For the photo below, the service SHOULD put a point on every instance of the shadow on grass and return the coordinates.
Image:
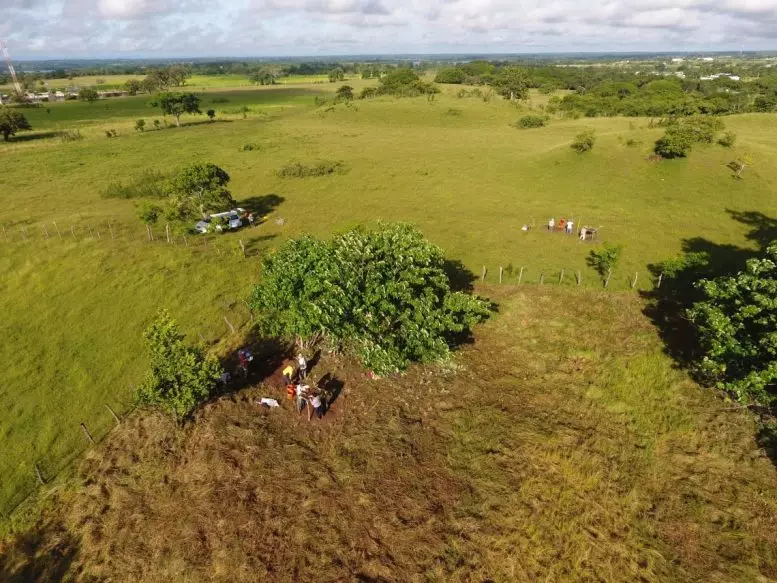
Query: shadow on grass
(36, 555)
(31, 137)
(262, 205)
(461, 278)
(269, 355)
(255, 245)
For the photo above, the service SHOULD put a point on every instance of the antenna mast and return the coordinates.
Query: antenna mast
(8, 61)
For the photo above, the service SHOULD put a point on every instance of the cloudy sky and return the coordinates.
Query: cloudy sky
(199, 28)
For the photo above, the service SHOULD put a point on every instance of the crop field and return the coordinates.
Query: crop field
(455, 167)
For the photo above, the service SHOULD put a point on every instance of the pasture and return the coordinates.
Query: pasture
(456, 167)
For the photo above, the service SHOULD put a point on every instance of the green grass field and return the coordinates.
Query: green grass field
(74, 310)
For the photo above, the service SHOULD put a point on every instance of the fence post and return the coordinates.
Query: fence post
(185, 241)
(5, 232)
(24, 233)
(73, 231)
(45, 230)
(520, 275)
(113, 413)
(243, 247)
(501, 271)
(57, 228)
(634, 283)
(87, 434)
(561, 277)
(167, 231)
(660, 278)
(110, 228)
(483, 275)
(609, 274)
(579, 277)
(542, 278)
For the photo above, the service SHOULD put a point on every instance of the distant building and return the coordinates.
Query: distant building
(708, 59)
(678, 60)
(719, 75)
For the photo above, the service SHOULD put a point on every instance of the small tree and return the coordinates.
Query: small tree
(140, 125)
(584, 141)
(511, 83)
(88, 94)
(181, 376)
(728, 139)
(345, 93)
(176, 104)
(149, 213)
(738, 166)
(531, 121)
(157, 124)
(211, 113)
(336, 75)
(675, 143)
(12, 121)
(133, 86)
(737, 327)
(197, 190)
(604, 260)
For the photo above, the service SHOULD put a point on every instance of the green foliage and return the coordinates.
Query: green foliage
(452, 75)
(584, 141)
(111, 134)
(180, 376)
(133, 86)
(211, 113)
(404, 82)
(300, 170)
(336, 75)
(531, 121)
(728, 140)
(150, 213)
(70, 136)
(146, 184)
(605, 260)
(511, 83)
(737, 326)
(682, 134)
(12, 121)
(249, 147)
(675, 143)
(88, 94)
(368, 93)
(176, 104)
(382, 293)
(140, 125)
(345, 93)
(197, 190)
(263, 76)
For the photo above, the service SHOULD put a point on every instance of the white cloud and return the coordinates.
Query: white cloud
(81, 28)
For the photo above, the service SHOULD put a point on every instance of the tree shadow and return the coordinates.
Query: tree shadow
(37, 555)
(269, 354)
(332, 387)
(262, 205)
(701, 258)
(32, 137)
(254, 245)
(461, 278)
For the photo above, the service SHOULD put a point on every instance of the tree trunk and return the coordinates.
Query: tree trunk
(177, 121)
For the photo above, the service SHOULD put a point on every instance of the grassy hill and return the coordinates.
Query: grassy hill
(74, 307)
(562, 445)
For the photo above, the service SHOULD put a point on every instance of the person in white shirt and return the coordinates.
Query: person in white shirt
(570, 227)
(551, 224)
(315, 406)
(303, 366)
(302, 396)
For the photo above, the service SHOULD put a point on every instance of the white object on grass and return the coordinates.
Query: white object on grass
(269, 402)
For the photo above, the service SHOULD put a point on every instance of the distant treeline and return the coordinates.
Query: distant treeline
(611, 90)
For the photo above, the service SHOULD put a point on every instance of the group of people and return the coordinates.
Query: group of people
(564, 225)
(306, 397)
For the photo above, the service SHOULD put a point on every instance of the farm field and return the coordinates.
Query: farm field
(454, 167)
(540, 454)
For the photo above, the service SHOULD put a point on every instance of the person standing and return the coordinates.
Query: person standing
(570, 227)
(551, 224)
(288, 373)
(303, 366)
(315, 406)
(302, 398)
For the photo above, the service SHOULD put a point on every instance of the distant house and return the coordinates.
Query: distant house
(678, 60)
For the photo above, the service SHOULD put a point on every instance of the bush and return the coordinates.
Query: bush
(675, 143)
(299, 170)
(140, 125)
(111, 134)
(604, 260)
(147, 184)
(382, 294)
(70, 136)
(728, 140)
(737, 326)
(180, 376)
(250, 147)
(531, 121)
(368, 93)
(219, 100)
(584, 141)
(451, 75)
(631, 142)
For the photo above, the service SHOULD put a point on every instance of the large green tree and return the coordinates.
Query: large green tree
(176, 104)
(180, 375)
(737, 326)
(12, 121)
(88, 94)
(382, 293)
(197, 190)
(511, 83)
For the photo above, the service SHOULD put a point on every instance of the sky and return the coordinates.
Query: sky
(211, 28)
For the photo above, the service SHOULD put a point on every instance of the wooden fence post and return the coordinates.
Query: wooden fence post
(520, 275)
(87, 434)
(39, 474)
(579, 277)
(110, 228)
(73, 231)
(57, 228)
(185, 241)
(24, 233)
(483, 275)
(660, 278)
(542, 278)
(501, 271)
(5, 232)
(45, 230)
(112, 412)
(561, 277)
(609, 274)
(231, 327)
(634, 283)
(167, 231)
(243, 247)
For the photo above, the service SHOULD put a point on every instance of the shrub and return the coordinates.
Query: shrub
(211, 113)
(368, 93)
(70, 136)
(157, 124)
(382, 294)
(675, 143)
(728, 140)
(250, 147)
(737, 325)
(181, 376)
(531, 121)
(631, 142)
(140, 125)
(299, 170)
(219, 100)
(584, 141)
(149, 213)
(454, 112)
(147, 184)
(111, 134)
(604, 260)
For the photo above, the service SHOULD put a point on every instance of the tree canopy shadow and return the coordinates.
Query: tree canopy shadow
(38, 555)
(461, 278)
(254, 245)
(262, 204)
(269, 354)
(29, 137)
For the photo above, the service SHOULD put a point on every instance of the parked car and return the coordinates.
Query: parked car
(226, 220)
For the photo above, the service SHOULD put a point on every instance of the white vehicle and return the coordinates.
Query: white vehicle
(226, 220)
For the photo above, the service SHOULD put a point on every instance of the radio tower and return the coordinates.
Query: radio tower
(7, 56)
